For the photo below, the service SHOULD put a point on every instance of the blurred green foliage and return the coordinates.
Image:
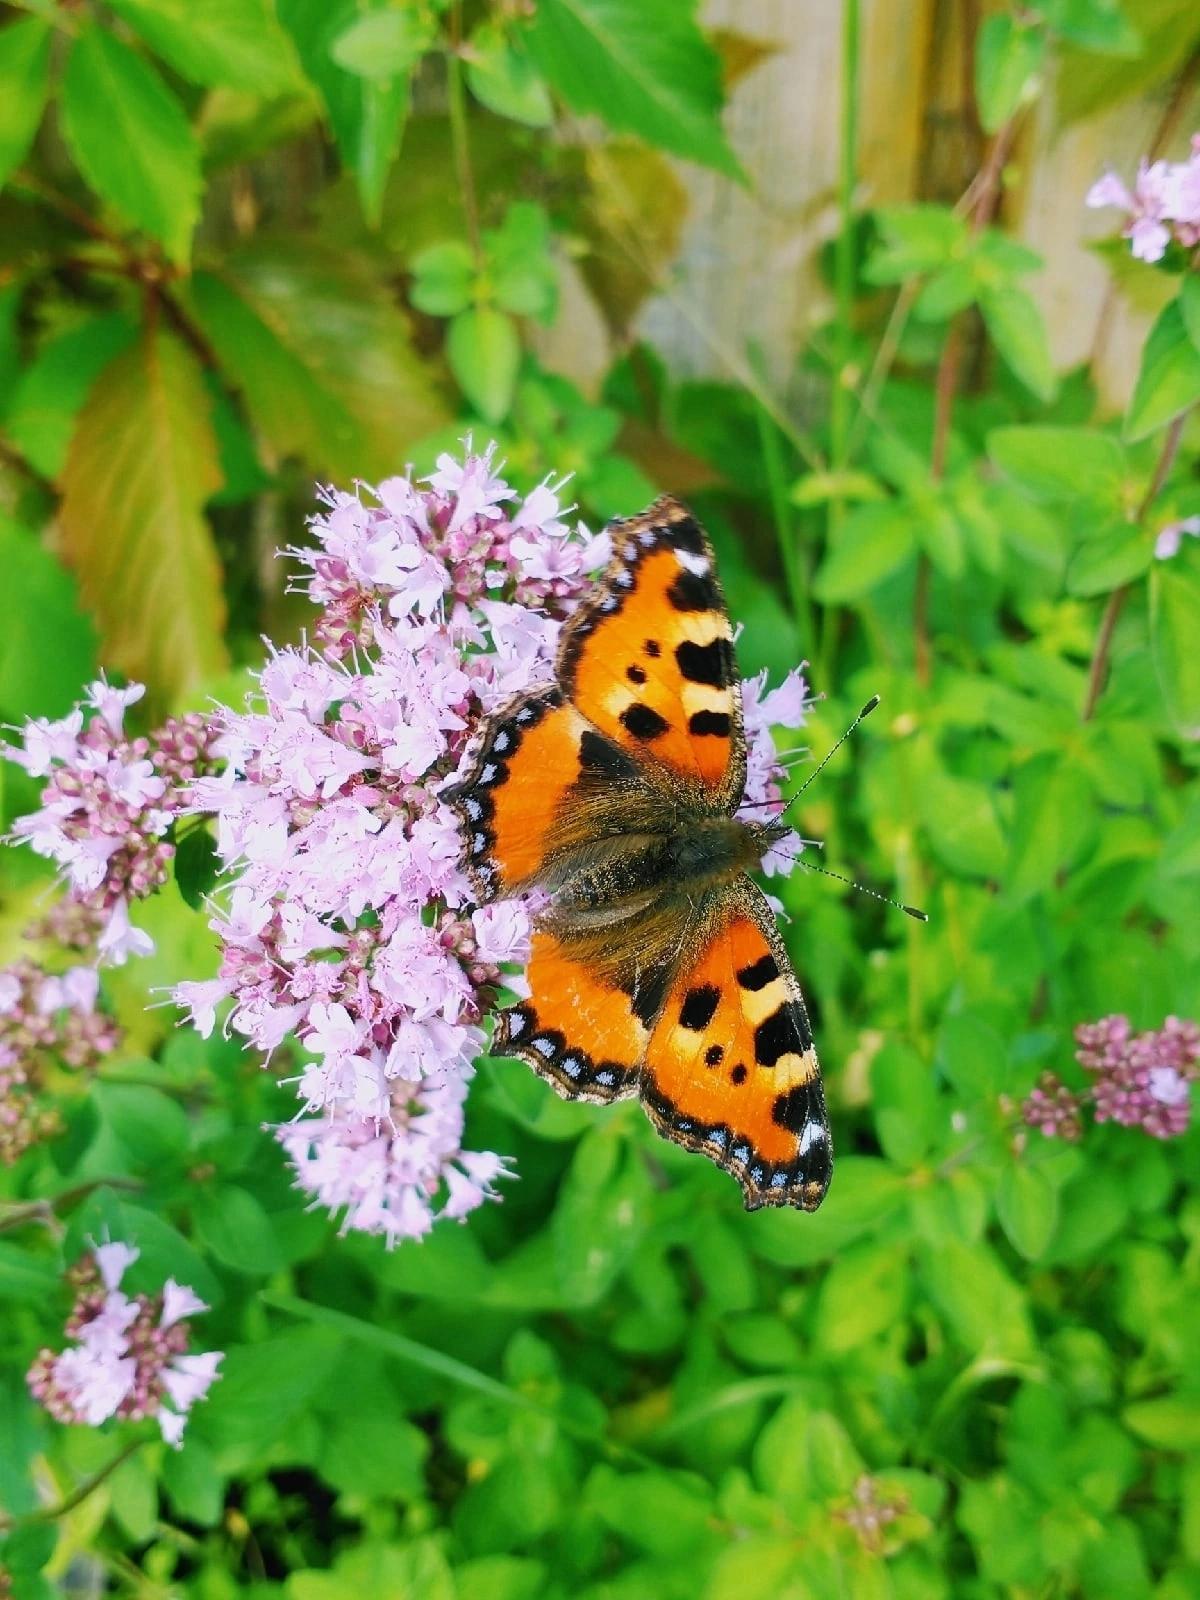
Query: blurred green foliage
(246, 244)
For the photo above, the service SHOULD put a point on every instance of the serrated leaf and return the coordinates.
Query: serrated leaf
(25, 76)
(1019, 334)
(1168, 382)
(502, 77)
(484, 352)
(1174, 631)
(235, 43)
(321, 354)
(131, 139)
(140, 467)
(646, 70)
(367, 116)
(48, 396)
(42, 603)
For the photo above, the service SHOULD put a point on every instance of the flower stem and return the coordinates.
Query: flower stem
(77, 1496)
(1098, 670)
(459, 135)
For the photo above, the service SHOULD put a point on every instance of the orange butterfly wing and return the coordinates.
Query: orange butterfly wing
(534, 750)
(576, 1031)
(730, 1069)
(649, 659)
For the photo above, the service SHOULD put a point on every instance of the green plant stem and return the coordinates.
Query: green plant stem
(1098, 670)
(790, 554)
(426, 1359)
(77, 1496)
(460, 138)
(839, 409)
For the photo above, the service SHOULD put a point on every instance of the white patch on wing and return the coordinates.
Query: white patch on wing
(699, 564)
(814, 1133)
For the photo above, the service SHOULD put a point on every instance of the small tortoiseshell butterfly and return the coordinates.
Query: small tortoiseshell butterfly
(656, 969)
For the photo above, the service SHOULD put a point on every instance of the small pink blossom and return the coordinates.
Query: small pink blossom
(1170, 538)
(1164, 204)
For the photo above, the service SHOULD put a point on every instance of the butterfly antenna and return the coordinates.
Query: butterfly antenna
(911, 911)
(830, 753)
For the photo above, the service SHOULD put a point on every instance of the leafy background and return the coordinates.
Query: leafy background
(245, 245)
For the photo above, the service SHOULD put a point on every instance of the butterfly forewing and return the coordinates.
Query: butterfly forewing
(649, 659)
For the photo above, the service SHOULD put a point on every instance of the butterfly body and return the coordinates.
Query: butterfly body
(656, 968)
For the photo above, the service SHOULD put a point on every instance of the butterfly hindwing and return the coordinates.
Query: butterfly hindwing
(730, 1069)
(576, 1030)
(649, 660)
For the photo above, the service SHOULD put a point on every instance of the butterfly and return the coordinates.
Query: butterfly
(656, 968)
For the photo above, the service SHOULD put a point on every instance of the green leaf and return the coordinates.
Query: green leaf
(961, 821)
(153, 1128)
(599, 1217)
(1008, 58)
(646, 70)
(197, 865)
(1174, 631)
(26, 1277)
(916, 239)
(42, 604)
(1064, 464)
(1168, 382)
(48, 396)
(233, 1227)
(194, 1485)
(263, 1386)
(502, 77)
(321, 354)
(1019, 334)
(875, 542)
(25, 76)
(141, 465)
(374, 1452)
(983, 1308)
(235, 43)
(907, 1108)
(862, 1297)
(382, 44)
(1170, 1423)
(520, 263)
(367, 116)
(1054, 823)
(1097, 25)
(131, 139)
(1189, 307)
(1104, 561)
(1027, 1206)
(655, 1511)
(484, 352)
(443, 278)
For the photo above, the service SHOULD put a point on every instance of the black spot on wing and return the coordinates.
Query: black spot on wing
(716, 723)
(652, 648)
(759, 973)
(636, 674)
(691, 591)
(714, 1055)
(600, 757)
(686, 535)
(648, 992)
(710, 663)
(699, 1006)
(643, 722)
(784, 1032)
(738, 1075)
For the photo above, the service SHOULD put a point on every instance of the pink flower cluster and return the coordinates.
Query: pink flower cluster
(1140, 1080)
(44, 1017)
(1164, 204)
(345, 920)
(130, 1356)
(107, 806)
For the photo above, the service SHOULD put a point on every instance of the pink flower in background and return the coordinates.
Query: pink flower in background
(1140, 1080)
(1163, 204)
(130, 1353)
(1170, 538)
